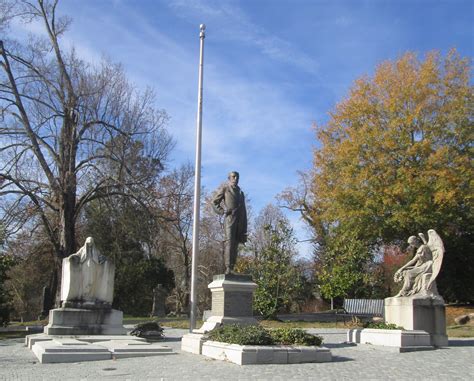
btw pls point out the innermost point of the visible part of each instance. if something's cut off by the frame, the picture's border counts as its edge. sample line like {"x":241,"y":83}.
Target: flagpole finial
{"x":202,"y":27}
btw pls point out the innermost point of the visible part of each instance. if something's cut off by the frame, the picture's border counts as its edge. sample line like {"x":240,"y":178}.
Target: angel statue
{"x":420,"y":272}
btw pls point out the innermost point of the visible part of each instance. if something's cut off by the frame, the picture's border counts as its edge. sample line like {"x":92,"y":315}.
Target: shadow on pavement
{"x":339,"y":345}
{"x":171,"y":338}
{"x":341,"y":359}
{"x":461,"y":342}
{"x":8,"y":342}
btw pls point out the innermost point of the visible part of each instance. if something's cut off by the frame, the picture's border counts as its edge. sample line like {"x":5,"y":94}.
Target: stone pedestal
{"x":73,"y":321}
{"x":426,"y":314}
{"x":232,"y":300}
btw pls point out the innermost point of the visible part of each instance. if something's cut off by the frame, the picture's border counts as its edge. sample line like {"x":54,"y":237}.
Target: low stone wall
{"x":396,"y":338}
{"x":259,"y":354}
{"x":253,"y":354}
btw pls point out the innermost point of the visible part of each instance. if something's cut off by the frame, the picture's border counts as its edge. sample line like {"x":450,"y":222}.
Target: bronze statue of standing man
{"x":229,"y":201}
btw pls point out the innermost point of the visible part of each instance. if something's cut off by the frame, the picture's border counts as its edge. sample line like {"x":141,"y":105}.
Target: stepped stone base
{"x":74,"y":321}
{"x":31,"y":340}
{"x":56,"y":349}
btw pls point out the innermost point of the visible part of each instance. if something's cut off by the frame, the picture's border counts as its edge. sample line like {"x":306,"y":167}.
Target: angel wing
{"x":437,"y":249}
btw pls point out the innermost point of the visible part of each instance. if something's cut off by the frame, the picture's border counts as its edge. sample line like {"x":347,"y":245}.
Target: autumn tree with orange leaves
{"x":395,"y":160}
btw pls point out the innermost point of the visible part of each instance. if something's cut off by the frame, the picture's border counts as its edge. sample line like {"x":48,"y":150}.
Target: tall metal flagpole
{"x":197,"y":187}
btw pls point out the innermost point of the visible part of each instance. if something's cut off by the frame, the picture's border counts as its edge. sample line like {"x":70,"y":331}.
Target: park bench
{"x":364,"y":307}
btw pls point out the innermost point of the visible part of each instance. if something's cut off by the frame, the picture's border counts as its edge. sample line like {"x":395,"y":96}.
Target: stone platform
{"x":64,"y":349}
{"x":396,"y":339}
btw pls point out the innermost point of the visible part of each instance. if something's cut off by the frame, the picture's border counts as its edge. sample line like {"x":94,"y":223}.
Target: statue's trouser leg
{"x":230,"y":248}
{"x":227,"y":253}
{"x":233,"y":253}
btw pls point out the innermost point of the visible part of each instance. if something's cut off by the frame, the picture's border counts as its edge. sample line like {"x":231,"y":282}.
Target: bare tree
{"x":301,"y":199}
{"x":175,"y":203}
{"x":69,"y":131}
{"x":260,"y":237}
{"x":211,"y":251}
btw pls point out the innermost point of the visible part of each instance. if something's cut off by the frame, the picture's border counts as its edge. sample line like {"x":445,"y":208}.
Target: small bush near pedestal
{"x":257,"y":335}
{"x":236,"y":334}
{"x":295,"y":336}
{"x":381,"y":325}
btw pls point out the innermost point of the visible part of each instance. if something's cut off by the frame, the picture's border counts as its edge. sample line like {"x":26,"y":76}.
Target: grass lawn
{"x":170,"y":322}
{"x":28,"y":323}
{"x":302,"y":324}
{"x":13,"y":335}
{"x":452,"y":312}
{"x":460,"y":331}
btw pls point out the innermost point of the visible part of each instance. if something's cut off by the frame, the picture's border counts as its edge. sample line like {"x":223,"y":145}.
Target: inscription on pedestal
{"x":232,"y":296}
{"x":232,"y":303}
{"x":218,"y":303}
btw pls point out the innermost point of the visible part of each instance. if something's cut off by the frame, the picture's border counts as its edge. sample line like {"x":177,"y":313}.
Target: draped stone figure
{"x":229,"y":201}
{"x":87,"y":279}
{"x":87,"y":291}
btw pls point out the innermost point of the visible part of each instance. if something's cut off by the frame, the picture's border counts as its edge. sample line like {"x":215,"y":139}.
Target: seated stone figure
{"x":87,"y":279}
{"x":419,"y":274}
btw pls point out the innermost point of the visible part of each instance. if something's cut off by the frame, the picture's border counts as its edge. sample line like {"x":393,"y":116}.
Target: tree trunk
{"x":66,"y":199}
{"x":54,"y":285}
{"x":67,"y":239}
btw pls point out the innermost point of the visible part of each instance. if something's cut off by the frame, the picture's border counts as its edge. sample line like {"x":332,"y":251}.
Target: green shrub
{"x":242,"y":335}
{"x":381,"y":325}
{"x":257,"y":335}
{"x":295,"y":336}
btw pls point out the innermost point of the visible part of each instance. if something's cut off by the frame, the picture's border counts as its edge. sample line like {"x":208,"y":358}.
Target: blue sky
{"x":271,"y":69}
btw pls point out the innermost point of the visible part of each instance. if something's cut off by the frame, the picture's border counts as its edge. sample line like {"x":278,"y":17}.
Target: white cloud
{"x":248,"y":125}
{"x":233,"y":24}
{"x":245,"y":122}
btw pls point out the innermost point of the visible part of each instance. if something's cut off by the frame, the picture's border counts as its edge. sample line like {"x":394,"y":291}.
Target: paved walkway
{"x":349,"y":363}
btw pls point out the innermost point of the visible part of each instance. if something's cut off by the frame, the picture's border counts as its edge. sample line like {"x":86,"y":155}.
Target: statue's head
{"x":414,"y":241}
{"x":233,"y":177}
